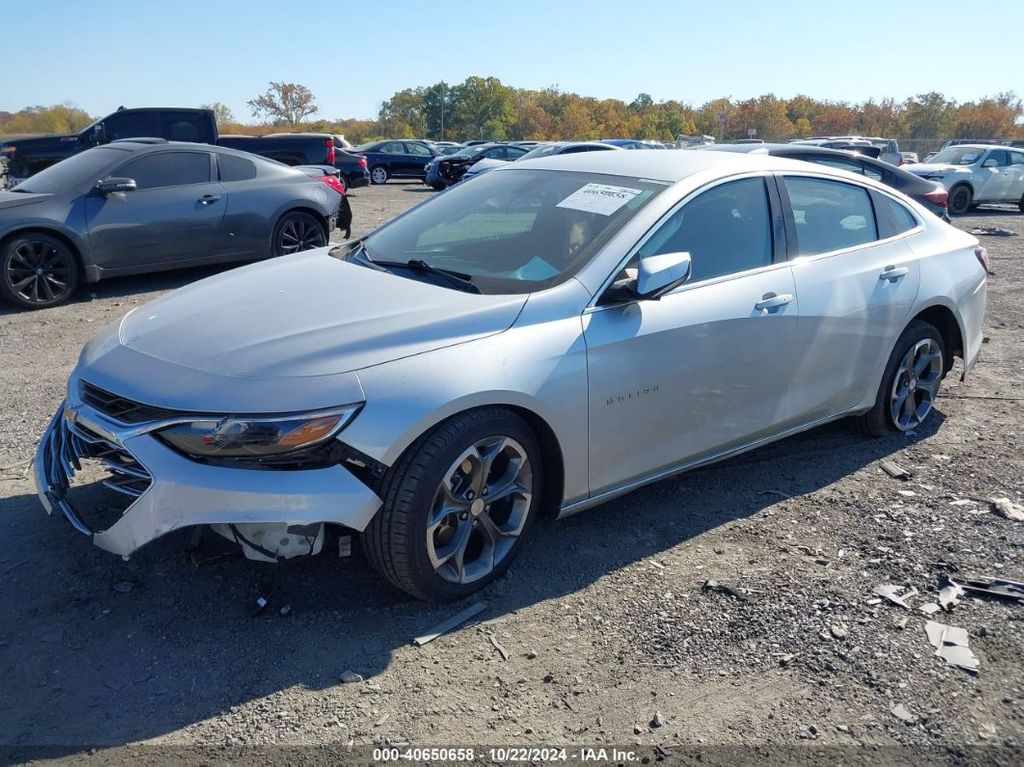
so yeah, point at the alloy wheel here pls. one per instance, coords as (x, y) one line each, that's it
(301, 233)
(916, 385)
(41, 272)
(479, 510)
(379, 175)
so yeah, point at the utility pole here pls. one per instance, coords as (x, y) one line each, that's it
(443, 97)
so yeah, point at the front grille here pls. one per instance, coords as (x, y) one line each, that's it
(75, 449)
(120, 408)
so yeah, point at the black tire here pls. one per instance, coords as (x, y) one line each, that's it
(879, 421)
(436, 187)
(396, 540)
(297, 231)
(379, 174)
(38, 270)
(1020, 203)
(960, 199)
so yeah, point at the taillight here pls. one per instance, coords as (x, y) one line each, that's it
(330, 150)
(981, 253)
(938, 196)
(362, 161)
(334, 183)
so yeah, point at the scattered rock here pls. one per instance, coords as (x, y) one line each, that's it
(1004, 507)
(656, 720)
(531, 655)
(351, 677)
(839, 631)
(903, 714)
(637, 729)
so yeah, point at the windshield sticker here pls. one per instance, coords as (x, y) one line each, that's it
(599, 198)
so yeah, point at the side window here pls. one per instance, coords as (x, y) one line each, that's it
(1000, 157)
(514, 152)
(893, 218)
(726, 229)
(1016, 158)
(167, 169)
(395, 147)
(496, 153)
(235, 168)
(127, 125)
(830, 215)
(418, 149)
(182, 126)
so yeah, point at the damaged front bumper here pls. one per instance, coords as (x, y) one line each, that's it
(282, 509)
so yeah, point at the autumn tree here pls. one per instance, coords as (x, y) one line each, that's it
(285, 103)
(222, 112)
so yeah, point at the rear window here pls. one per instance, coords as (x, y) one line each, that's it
(830, 215)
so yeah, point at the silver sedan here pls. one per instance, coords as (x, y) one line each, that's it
(555, 334)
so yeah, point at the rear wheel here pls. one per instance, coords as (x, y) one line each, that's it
(457, 506)
(37, 270)
(910, 384)
(379, 174)
(1020, 204)
(298, 231)
(960, 199)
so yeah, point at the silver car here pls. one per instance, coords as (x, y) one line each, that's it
(555, 334)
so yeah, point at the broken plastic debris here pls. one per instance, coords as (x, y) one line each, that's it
(992, 231)
(445, 626)
(950, 592)
(951, 645)
(725, 588)
(894, 470)
(1004, 507)
(930, 608)
(891, 592)
(995, 587)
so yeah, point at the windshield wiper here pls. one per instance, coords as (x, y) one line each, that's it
(457, 280)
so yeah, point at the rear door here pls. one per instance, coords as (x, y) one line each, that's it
(418, 157)
(856, 280)
(175, 216)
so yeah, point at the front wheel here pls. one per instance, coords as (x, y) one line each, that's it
(960, 199)
(457, 506)
(37, 270)
(297, 231)
(379, 175)
(910, 384)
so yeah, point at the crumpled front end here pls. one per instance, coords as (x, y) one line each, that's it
(271, 513)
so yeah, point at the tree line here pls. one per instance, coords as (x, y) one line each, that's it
(485, 108)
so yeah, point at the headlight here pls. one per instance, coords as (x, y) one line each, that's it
(257, 436)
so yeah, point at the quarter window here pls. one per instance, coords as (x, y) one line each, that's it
(830, 215)
(393, 148)
(418, 149)
(167, 169)
(726, 229)
(893, 218)
(235, 168)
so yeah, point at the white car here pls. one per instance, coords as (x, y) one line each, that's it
(975, 174)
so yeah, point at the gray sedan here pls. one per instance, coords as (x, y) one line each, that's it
(552, 335)
(149, 205)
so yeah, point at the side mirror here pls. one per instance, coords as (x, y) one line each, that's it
(114, 185)
(653, 277)
(990, 164)
(657, 275)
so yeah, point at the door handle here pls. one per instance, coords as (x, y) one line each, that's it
(893, 273)
(206, 199)
(771, 301)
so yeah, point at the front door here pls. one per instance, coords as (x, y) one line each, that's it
(175, 216)
(705, 368)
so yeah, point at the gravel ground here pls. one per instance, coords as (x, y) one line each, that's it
(602, 633)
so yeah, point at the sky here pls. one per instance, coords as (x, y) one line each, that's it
(99, 54)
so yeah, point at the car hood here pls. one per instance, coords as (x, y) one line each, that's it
(927, 168)
(485, 165)
(309, 315)
(17, 199)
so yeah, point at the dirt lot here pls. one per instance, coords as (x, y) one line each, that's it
(603, 619)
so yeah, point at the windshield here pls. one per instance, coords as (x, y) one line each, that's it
(87, 167)
(958, 155)
(513, 231)
(472, 151)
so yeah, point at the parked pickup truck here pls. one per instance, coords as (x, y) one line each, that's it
(27, 156)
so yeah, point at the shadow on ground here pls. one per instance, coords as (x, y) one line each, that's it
(88, 661)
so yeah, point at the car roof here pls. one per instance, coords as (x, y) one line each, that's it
(668, 166)
(976, 146)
